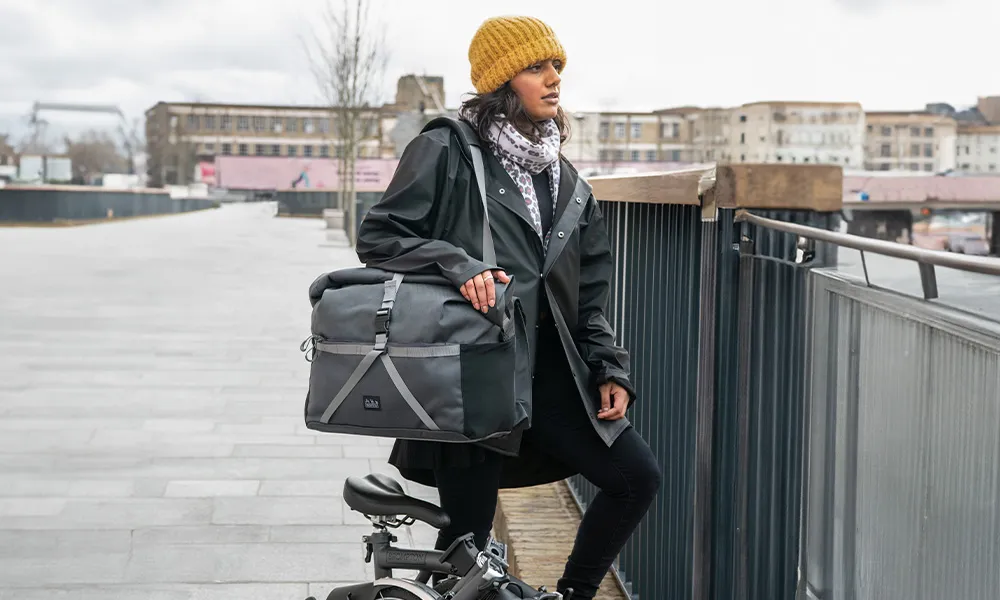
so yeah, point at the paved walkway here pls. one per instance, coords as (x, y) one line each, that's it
(151, 394)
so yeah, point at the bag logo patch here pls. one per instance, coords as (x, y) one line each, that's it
(372, 402)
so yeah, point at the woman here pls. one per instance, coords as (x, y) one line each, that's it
(550, 236)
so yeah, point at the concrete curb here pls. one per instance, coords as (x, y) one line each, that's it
(539, 525)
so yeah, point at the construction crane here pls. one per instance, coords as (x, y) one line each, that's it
(130, 139)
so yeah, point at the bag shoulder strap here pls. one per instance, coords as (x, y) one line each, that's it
(471, 139)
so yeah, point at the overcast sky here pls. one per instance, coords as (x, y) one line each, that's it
(622, 54)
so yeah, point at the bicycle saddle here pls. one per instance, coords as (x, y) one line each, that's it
(379, 495)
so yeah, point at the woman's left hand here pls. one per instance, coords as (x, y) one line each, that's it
(614, 401)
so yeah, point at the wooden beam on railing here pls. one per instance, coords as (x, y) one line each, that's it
(762, 186)
(783, 187)
(672, 187)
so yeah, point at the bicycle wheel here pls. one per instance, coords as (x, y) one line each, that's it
(396, 594)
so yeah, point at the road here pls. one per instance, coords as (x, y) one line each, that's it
(971, 292)
(151, 394)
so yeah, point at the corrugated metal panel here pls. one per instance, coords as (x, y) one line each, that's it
(40, 205)
(904, 495)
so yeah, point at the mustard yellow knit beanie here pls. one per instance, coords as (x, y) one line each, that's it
(504, 46)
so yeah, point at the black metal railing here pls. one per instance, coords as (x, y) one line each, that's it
(712, 312)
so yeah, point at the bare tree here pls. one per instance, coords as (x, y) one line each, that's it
(348, 58)
(93, 153)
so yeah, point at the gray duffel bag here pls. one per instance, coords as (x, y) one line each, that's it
(408, 357)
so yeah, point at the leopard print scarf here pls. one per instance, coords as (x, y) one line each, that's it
(522, 158)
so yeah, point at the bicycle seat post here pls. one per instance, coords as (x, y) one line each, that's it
(376, 544)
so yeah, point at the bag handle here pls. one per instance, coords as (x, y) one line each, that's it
(489, 254)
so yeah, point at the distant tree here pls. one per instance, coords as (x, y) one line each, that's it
(93, 153)
(348, 56)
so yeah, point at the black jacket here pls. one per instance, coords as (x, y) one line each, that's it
(430, 220)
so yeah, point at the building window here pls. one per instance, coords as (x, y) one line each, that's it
(308, 126)
(929, 167)
(885, 150)
(260, 149)
(293, 150)
(620, 130)
(291, 125)
(993, 167)
(307, 151)
(636, 130)
(929, 150)
(260, 123)
(275, 150)
(743, 138)
(651, 155)
(210, 148)
(886, 131)
(635, 156)
(243, 123)
(324, 150)
(929, 132)
(743, 119)
(227, 123)
(244, 150)
(210, 122)
(193, 123)
(915, 150)
(602, 130)
(324, 126)
(276, 125)
(915, 131)
(914, 167)
(227, 149)
(675, 156)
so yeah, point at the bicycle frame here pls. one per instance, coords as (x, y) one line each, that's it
(458, 559)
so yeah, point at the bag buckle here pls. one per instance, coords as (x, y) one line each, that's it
(382, 321)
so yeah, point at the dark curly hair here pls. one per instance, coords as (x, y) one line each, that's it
(503, 104)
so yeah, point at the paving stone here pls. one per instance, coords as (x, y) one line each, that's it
(294, 451)
(159, 591)
(194, 563)
(31, 507)
(201, 489)
(62, 543)
(204, 534)
(318, 487)
(278, 511)
(80, 567)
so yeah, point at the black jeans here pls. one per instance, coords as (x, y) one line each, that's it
(627, 474)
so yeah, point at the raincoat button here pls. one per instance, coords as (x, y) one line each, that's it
(501, 190)
(561, 235)
(578, 200)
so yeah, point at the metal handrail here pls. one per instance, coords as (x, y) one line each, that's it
(975, 264)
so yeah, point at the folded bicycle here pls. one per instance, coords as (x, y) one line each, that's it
(460, 572)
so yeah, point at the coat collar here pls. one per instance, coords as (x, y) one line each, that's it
(503, 189)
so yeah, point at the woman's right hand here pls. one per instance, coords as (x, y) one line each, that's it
(480, 291)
